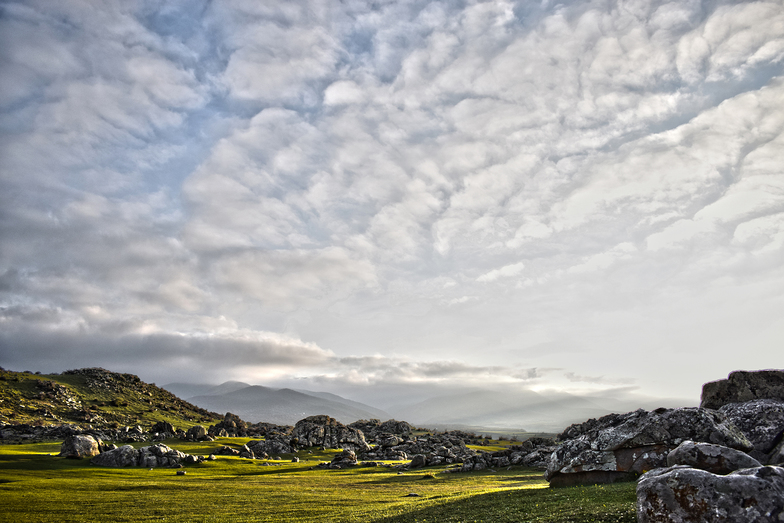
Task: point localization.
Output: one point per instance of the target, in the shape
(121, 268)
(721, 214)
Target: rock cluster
(620, 447)
(323, 431)
(534, 453)
(158, 455)
(705, 482)
(231, 427)
(347, 458)
(432, 449)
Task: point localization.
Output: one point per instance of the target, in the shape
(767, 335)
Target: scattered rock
(741, 386)
(683, 494)
(181, 472)
(713, 458)
(80, 446)
(438, 449)
(620, 447)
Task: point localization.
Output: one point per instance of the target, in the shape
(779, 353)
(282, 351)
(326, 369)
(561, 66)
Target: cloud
(477, 189)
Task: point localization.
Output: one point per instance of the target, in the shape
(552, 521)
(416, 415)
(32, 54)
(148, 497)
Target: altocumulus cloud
(394, 191)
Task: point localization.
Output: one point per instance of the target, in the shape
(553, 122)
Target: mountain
(187, 390)
(532, 411)
(256, 403)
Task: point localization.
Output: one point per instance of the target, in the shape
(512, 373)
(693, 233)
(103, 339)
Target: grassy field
(35, 485)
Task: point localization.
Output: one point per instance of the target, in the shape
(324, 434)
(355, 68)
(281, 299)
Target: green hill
(93, 398)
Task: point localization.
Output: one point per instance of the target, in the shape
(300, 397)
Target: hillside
(93, 397)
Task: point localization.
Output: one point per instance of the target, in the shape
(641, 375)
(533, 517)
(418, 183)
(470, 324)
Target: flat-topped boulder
(741, 386)
(683, 494)
(620, 447)
(323, 431)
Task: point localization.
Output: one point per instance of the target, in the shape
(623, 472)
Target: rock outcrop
(374, 429)
(270, 447)
(683, 494)
(323, 431)
(742, 386)
(620, 447)
(713, 458)
(80, 446)
(762, 421)
(158, 455)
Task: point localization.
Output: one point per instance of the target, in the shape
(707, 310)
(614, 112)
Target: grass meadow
(37, 486)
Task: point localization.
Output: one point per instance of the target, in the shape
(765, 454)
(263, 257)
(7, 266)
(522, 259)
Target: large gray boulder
(687, 495)
(158, 455)
(323, 431)
(741, 386)
(713, 458)
(620, 447)
(762, 421)
(80, 446)
(197, 433)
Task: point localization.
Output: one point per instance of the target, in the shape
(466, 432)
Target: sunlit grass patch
(39, 487)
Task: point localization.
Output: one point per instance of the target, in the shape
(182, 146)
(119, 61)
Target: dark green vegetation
(93, 397)
(35, 486)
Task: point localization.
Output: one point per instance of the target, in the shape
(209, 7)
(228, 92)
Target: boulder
(716, 459)
(347, 458)
(418, 461)
(158, 455)
(620, 447)
(683, 494)
(329, 433)
(196, 433)
(162, 427)
(80, 446)
(762, 421)
(741, 386)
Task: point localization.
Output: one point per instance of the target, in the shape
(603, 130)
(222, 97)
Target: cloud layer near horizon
(402, 192)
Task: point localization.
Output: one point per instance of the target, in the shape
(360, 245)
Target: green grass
(35, 486)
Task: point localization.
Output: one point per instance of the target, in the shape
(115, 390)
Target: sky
(375, 196)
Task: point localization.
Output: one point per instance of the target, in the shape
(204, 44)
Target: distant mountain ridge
(256, 403)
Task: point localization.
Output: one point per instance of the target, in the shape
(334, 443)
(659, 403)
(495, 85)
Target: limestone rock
(347, 458)
(162, 427)
(713, 458)
(682, 494)
(329, 433)
(762, 421)
(196, 433)
(374, 429)
(80, 446)
(418, 461)
(158, 455)
(741, 386)
(270, 446)
(619, 447)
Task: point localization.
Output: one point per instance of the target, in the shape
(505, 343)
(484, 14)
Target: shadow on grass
(599, 503)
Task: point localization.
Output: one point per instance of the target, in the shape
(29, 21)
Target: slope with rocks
(92, 398)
